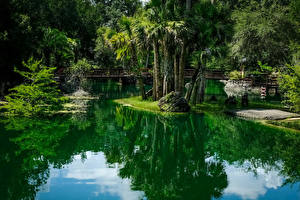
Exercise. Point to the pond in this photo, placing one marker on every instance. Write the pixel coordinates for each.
(114, 152)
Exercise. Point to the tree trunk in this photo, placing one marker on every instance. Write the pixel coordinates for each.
(194, 78)
(201, 92)
(198, 88)
(157, 73)
(140, 80)
(141, 87)
(154, 87)
(181, 68)
(188, 5)
(176, 73)
(168, 85)
(193, 99)
(147, 59)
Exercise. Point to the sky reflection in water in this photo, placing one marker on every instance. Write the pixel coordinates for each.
(99, 180)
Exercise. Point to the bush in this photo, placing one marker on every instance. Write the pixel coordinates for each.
(235, 75)
(39, 93)
(289, 82)
(77, 72)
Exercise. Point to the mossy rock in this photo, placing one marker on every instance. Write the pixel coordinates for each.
(173, 102)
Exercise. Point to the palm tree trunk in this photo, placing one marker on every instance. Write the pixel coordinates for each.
(138, 74)
(201, 90)
(147, 58)
(154, 93)
(181, 67)
(176, 73)
(141, 87)
(168, 85)
(195, 90)
(157, 72)
(188, 5)
(190, 89)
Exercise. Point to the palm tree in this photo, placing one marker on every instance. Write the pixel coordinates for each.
(125, 44)
(155, 34)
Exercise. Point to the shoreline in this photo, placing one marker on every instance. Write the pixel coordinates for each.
(137, 103)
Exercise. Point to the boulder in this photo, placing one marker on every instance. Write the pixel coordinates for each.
(173, 102)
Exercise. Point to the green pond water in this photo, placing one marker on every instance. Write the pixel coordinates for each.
(113, 152)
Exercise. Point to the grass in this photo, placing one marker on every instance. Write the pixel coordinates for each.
(267, 105)
(138, 103)
(219, 106)
(214, 107)
(287, 123)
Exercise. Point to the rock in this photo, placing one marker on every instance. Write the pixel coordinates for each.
(263, 114)
(149, 93)
(173, 102)
(231, 101)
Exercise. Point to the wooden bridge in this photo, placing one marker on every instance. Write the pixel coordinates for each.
(146, 73)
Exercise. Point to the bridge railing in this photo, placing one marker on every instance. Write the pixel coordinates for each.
(120, 72)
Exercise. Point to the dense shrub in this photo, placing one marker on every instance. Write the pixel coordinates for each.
(289, 82)
(235, 75)
(76, 74)
(38, 94)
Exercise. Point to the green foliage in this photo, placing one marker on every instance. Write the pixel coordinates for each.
(30, 28)
(265, 68)
(57, 48)
(39, 93)
(80, 68)
(121, 43)
(290, 86)
(104, 55)
(138, 103)
(294, 124)
(130, 43)
(263, 32)
(262, 71)
(76, 73)
(235, 75)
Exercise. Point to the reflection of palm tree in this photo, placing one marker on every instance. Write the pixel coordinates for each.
(169, 163)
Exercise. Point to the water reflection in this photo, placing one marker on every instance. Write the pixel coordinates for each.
(250, 185)
(94, 175)
(114, 152)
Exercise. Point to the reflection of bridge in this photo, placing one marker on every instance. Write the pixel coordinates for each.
(146, 73)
